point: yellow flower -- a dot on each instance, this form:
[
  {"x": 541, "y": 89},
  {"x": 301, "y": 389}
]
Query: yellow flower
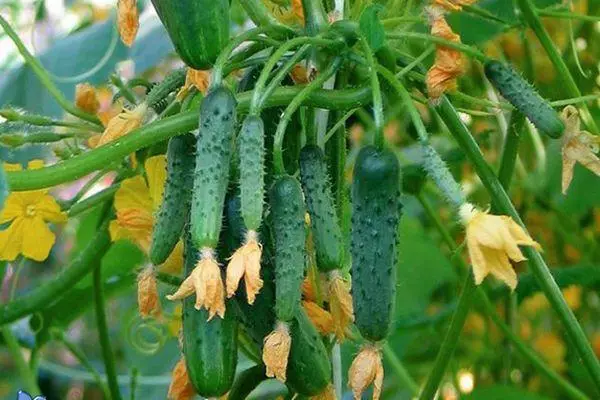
[
  {"x": 453, "y": 5},
  {"x": 123, "y": 123},
  {"x": 127, "y": 20},
  {"x": 577, "y": 147},
  {"x": 366, "y": 368},
  {"x": 197, "y": 78},
  {"x": 181, "y": 388},
  {"x": 28, "y": 212},
  {"x": 449, "y": 63},
  {"x": 276, "y": 350},
  {"x": 205, "y": 281},
  {"x": 340, "y": 304},
  {"x": 148, "y": 301},
  {"x": 85, "y": 98},
  {"x": 492, "y": 241},
  {"x": 572, "y": 295},
  {"x": 319, "y": 317},
  {"x": 245, "y": 262}
]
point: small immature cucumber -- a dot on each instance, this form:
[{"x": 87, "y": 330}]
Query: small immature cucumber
[
  {"x": 175, "y": 208},
  {"x": 375, "y": 217},
  {"x": 319, "y": 201},
  {"x": 211, "y": 176},
  {"x": 209, "y": 347},
  {"x": 287, "y": 215},
  {"x": 199, "y": 29},
  {"x": 524, "y": 97},
  {"x": 161, "y": 90},
  {"x": 251, "y": 143}
]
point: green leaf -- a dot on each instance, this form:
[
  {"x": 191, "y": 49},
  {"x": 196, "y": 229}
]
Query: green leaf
[
  {"x": 371, "y": 27},
  {"x": 502, "y": 392}
]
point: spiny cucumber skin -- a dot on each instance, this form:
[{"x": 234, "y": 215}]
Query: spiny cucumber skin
[
  {"x": 319, "y": 201},
  {"x": 287, "y": 212},
  {"x": 160, "y": 91},
  {"x": 309, "y": 369},
  {"x": 524, "y": 97},
  {"x": 211, "y": 176},
  {"x": 375, "y": 218},
  {"x": 251, "y": 142},
  {"x": 175, "y": 207},
  {"x": 209, "y": 347}
]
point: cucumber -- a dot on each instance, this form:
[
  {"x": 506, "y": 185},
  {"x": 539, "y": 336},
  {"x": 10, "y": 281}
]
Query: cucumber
[
  {"x": 251, "y": 142},
  {"x": 175, "y": 207},
  {"x": 211, "y": 175},
  {"x": 199, "y": 29},
  {"x": 158, "y": 94},
  {"x": 524, "y": 97},
  {"x": 319, "y": 201},
  {"x": 309, "y": 369},
  {"x": 287, "y": 213},
  {"x": 209, "y": 347},
  {"x": 246, "y": 382},
  {"x": 375, "y": 217}
]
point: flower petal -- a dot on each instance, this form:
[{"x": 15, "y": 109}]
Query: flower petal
[
  {"x": 276, "y": 351},
  {"x": 13, "y": 208},
  {"x": 478, "y": 261},
  {"x": 320, "y": 317},
  {"x": 147, "y": 294},
  {"x": 156, "y": 170},
  {"x": 133, "y": 193},
  {"x": 500, "y": 267},
  {"x": 181, "y": 387},
  {"x": 49, "y": 209},
  {"x": 127, "y": 20},
  {"x": 568, "y": 166},
  {"x": 11, "y": 240},
  {"x": 520, "y": 236},
  {"x": 366, "y": 368},
  {"x": 174, "y": 263},
  {"x": 38, "y": 239}
]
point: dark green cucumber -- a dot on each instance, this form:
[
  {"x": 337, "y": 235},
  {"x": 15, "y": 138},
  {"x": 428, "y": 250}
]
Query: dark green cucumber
[
  {"x": 211, "y": 176},
  {"x": 375, "y": 217},
  {"x": 175, "y": 207},
  {"x": 199, "y": 29},
  {"x": 287, "y": 216},
  {"x": 251, "y": 148},
  {"x": 209, "y": 347},
  {"x": 524, "y": 97},
  {"x": 246, "y": 382},
  {"x": 319, "y": 201},
  {"x": 309, "y": 369}
]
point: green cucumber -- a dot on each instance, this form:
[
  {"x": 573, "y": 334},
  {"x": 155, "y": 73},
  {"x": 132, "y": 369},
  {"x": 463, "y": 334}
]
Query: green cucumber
[
  {"x": 375, "y": 218},
  {"x": 158, "y": 94},
  {"x": 319, "y": 201},
  {"x": 246, "y": 382},
  {"x": 199, "y": 29},
  {"x": 211, "y": 175},
  {"x": 524, "y": 97},
  {"x": 210, "y": 347},
  {"x": 287, "y": 212},
  {"x": 251, "y": 143},
  {"x": 309, "y": 368},
  {"x": 175, "y": 207}
]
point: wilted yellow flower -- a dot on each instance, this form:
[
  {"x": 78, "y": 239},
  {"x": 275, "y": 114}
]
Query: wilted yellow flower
[
  {"x": 453, "y": 5},
  {"x": 577, "y": 147},
  {"x": 199, "y": 79},
  {"x": 205, "y": 281},
  {"x": 123, "y": 123},
  {"x": 127, "y": 20},
  {"x": 85, "y": 98},
  {"x": 27, "y": 213},
  {"x": 552, "y": 349},
  {"x": 147, "y": 294},
  {"x": 181, "y": 388},
  {"x": 340, "y": 304},
  {"x": 299, "y": 74},
  {"x": 245, "y": 262},
  {"x": 449, "y": 63},
  {"x": 327, "y": 394},
  {"x": 366, "y": 368},
  {"x": 319, "y": 317},
  {"x": 492, "y": 241},
  {"x": 276, "y": 351}
]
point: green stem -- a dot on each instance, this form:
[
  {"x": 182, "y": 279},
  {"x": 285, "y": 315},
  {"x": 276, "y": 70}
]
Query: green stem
[
  {"x": 450, "y": 340},
  {"x": 43, "y": 76},
  {"x": 536, "y": 262},
  {"x": 533, "y": 20},
  {"x": 400, "y": 370},
  {"x": 124, "y": 90},
  {"x": 526, "y": 352},
  {"x": 510, "y": 150},
  {"x": 259, "y": 14},
  {"x": 377, "y": 97},
  {"x": 483, "y": 13},
  {"x": 340, "y": 124},
  {"x": 92, "y": 201},
  {"x": 102, "y": 328},
  {"x": 161, "y": 130},
  {"x": 41, "y": 120},
  {"x": 64, "y": 280},
  {"x": 468, "y": 50},
  {"x": 291, "y": 109},
  {"x": 315, "y": 16},
  {"x": 29, "y": 380},
  {"x": 395, "y": 21},
  {"x": 568, "y": 15}
]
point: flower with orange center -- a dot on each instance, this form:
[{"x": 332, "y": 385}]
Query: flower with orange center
[
  {"x": 366, "y": 369},
  {"x": 127, "y": 20},
  {"x": 452, "y": 5},
  {"x": 493, "y": 241},
  {"x": 27, "y": 213},
  {"x": 123, "y": 123},
  {"x": 449, "y": 63},
  {"x": 181, "y": 388},
  {"x": 86, "y": 99},
  {"x": 276, "y": 350},
  {"x": 577, "y": 147}
]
